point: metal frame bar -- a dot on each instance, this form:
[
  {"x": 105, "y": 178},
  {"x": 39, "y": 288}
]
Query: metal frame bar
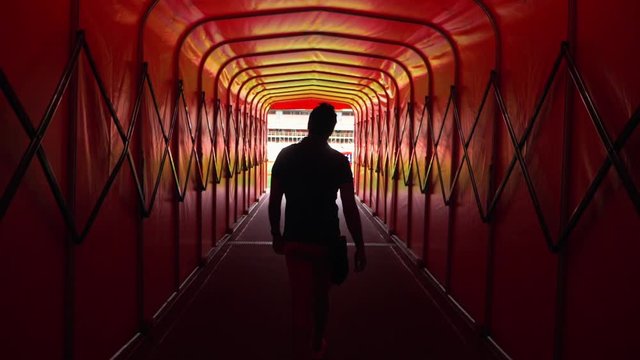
[
  {"x": 36, "y": 136},
  {"x": 251, "y": 102},
  {"x": 318, "y": 62},
  {"x": 393, "y": 80},
  {"x": 612, "y": 148},
  {"x": 328, "y": 87},
  {"x": 328, "y": 50},
  {"x": 340, "y": 90},
  {"x": 274, "y": 36},
  {"x": 274, "y": 98},
  {"x": 406, "y": 70},
  {"x": 230, "y": 113},
  {"x": 363, "y": 86},
  {"x": 351, "y": 12},
  {"x": 317, "y": 92}
]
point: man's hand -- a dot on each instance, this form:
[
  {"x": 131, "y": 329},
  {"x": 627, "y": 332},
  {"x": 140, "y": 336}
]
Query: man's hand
[
  {"x": 360, "y": 260},
  {"x": 278, "y": 244},
  {"x": 275, "y": 201}
]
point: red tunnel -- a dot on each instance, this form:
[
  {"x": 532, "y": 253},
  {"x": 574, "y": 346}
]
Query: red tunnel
[{"x": 495, "y": 144}]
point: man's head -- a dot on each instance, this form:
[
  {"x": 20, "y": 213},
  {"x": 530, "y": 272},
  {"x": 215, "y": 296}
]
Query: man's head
[{"x": 322, "y": 120}]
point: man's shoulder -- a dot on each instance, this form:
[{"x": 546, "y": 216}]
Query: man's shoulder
[
  {"x": 337, "y": 155},
  {"x": 288, "y": 150}
]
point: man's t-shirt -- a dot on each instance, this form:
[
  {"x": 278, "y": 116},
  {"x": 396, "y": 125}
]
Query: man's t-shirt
[{"x": 311, "y": 173}]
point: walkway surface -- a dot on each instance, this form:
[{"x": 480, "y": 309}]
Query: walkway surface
[{"x": 243, "y": 309}]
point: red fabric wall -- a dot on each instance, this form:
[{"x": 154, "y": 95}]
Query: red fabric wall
[
  {"x": 32, "y": 233},
  {"x": 601, "y": 257},
  {"x": 127, "y": 267}
]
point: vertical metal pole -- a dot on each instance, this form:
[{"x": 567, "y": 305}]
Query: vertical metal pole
[
  {"x": 361, "y": 153},
  {"x": 72, "y": 174},
  {"x": 237, "y": 162},
  {"x": 227, "y": 181},
  {"x": 410, "y": 175},
  {"x": 371, "y": 154},
  {"x": 365, "y": 148},
  {"x": 261, "y": 154},
  {"x": 355, "y": 156},
  {"x": 496, "y": 158},
  {"x": 246, "y": 169},
  {"x": 362, "y": 169},
  {"x": 488, "y": 298},
  {"x": 394, "y": 179},
  {"x": 386, "y": 164},
  {"x": 569, "y": 113},
  {"x": 258, "y": 150},
  {"x": 254, "y": 152},
  {"x": 199, "y": 194},
  {"x": 214, "y": 184},
  {"x": 493, "y": 172},
  {"x": 175, "y": 144},
  {"x": 242, "y": 182},
  {"x": 453, "y": 196},
  {"x": 265, "y": 160},
  {"x": 236, "y": 180},
  {"x": 427, "y": 194},
  {"x": 362, "y": 172},
  {"x": 242, "y": 175},
  {"x": 249, "y": 169},
  {"x": 378, "y": 172},
  {"x": 139, "y": 149},
  {"x": 263, "y": 149},
  {"x": 247, "y": 160}
]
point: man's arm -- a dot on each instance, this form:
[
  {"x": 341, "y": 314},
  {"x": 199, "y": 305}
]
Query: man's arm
[
  {"x": 275, "y": 205},
  {"x": 352, "y": 217}
]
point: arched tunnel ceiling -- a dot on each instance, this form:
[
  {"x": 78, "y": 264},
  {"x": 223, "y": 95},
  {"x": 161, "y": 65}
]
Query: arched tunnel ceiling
[{"x": 396, "y": 50}]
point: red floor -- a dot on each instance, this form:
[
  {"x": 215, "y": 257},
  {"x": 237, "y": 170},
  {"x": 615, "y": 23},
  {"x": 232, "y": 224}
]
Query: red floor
[{"x": 242, "y": 310}]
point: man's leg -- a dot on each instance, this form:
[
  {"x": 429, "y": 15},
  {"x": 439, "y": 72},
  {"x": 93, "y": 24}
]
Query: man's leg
[
  {"x": 321, "y": 286},
  {"x": 300, "y": 268}
]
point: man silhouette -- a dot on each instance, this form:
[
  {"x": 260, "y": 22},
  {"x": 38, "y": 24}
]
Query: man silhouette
[{"x": 309, "y": 174}]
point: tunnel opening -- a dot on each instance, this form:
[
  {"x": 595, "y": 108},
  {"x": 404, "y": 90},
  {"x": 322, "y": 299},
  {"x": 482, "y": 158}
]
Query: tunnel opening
[{"x": 287, "y": 124}]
